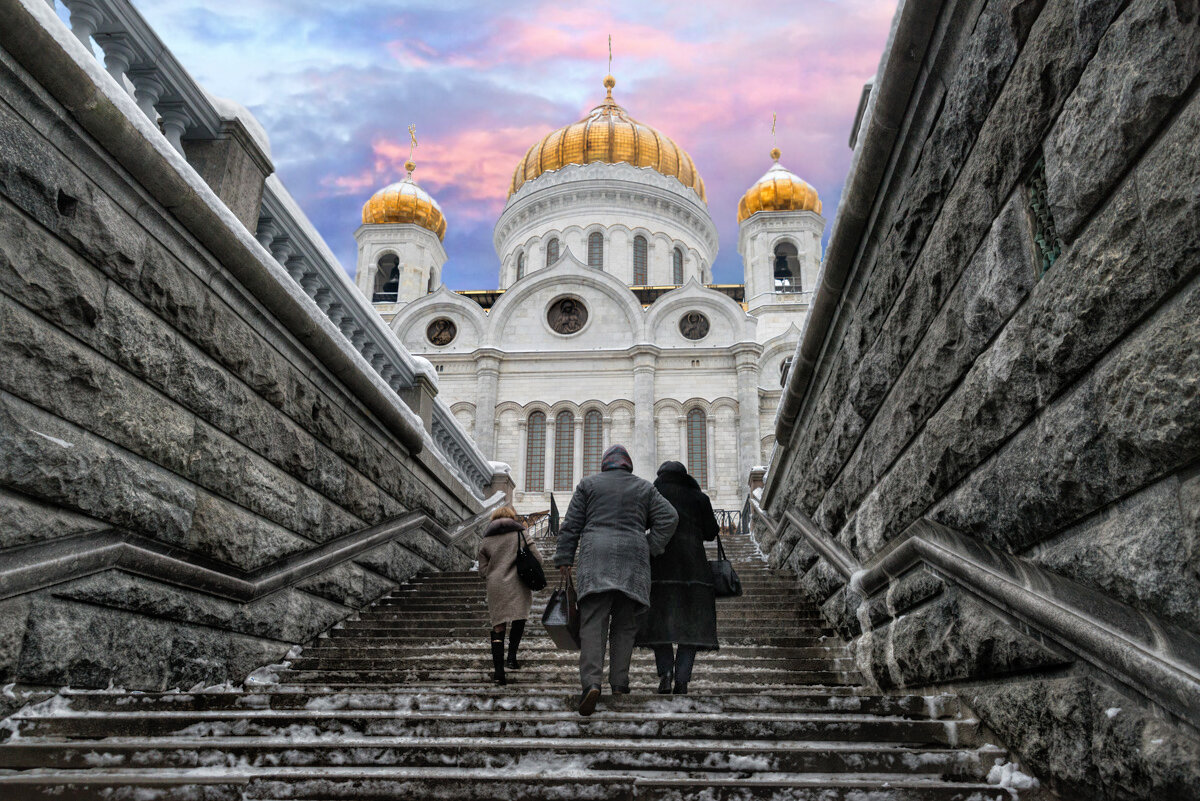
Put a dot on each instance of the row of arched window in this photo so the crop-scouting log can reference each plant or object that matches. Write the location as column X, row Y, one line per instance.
column 563, row 477
column 595, row 258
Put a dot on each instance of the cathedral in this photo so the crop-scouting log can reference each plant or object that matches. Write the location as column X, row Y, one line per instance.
column 606, row 326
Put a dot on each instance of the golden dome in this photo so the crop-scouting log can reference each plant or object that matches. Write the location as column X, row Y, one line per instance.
column 405, row 202
column 608, row 135
column 779, row 190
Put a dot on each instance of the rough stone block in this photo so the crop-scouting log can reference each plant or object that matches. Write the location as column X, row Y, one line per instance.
column 13, row 615
column 24, row 520
column 1143, row 66
column 1090, row 740
column 59, row 463
column 228, row 533
column 348, row 584
column 1140, row 551
column 953, row 638
column 393, row 561
column 820, row 582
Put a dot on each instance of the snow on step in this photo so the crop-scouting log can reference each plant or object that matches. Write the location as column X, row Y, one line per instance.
column 397, row 702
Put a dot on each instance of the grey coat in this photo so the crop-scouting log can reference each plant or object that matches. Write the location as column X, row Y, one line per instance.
column 607, row 521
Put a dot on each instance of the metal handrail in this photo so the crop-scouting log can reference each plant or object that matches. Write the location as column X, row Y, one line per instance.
column 1154, row 658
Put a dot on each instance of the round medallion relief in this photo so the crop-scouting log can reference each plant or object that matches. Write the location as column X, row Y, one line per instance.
column 567, row 315
column 694, row 325
column 441, row 331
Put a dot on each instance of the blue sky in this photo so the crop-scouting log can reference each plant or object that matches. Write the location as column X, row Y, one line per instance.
column 337, row 84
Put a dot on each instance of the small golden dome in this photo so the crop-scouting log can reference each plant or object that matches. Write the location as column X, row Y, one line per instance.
column 779, row 190
column 405, row 202
column 608, row 134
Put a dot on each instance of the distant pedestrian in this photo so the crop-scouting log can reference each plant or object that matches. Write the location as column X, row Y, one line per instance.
column 508, row 598
column 607, row 520
column 683, row 608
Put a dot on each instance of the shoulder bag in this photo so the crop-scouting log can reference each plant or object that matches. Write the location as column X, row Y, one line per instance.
column 529, row 569
column 726, row 583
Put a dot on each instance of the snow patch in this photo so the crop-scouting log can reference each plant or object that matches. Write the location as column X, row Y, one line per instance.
column 60, row 442
column 1112, row 712
column 1009, row 776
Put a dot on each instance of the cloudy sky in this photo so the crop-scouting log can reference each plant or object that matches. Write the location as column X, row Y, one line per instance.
column 336, row 85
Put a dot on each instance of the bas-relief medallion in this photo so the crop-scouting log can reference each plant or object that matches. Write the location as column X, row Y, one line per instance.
column 441, row 331
column 567, row 315
column 694, row 325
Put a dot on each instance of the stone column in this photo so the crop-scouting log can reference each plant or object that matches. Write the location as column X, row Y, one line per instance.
column 548, row 461
column 606, row 437
column 522, row 446
column 748, row 436
column 710, row 447
column 487, row 380
column 577, row 466
column 644, row 451
column 681, row 429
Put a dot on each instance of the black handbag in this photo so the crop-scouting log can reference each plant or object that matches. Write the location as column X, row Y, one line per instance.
column 561, row 617
column 726, row 583
column 529, row 569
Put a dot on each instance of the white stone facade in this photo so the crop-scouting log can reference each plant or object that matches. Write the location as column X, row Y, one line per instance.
column 627, row 374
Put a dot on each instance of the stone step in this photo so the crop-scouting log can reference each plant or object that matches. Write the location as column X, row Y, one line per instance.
column 482, row 660
column 709, row 678
column 327, row 783
column 525, row 698
column 509, row 753
column 403, row 637
column 832, row 727
column 451, row 628
column 538, row 651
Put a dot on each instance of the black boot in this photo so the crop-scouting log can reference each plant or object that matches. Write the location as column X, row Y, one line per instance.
column 498, row 662
column 514, row 640
column 664, row 684
column 681, row 688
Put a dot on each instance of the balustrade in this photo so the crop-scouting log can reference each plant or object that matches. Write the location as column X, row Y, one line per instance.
column 183, row 112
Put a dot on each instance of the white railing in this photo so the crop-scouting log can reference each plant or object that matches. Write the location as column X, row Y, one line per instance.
column 164, row 91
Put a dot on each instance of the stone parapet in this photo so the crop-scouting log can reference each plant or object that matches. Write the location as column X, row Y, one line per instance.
column 1004, row 343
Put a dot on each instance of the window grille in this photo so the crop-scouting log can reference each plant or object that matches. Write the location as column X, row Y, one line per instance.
column 639, row 261
column 593, row 442
column 1045, row 234
column 552, row 251
column 596, row 251
column 520, row 266
column 677, row 267
column 535, row 453
column 564, row 452
column 697, row 446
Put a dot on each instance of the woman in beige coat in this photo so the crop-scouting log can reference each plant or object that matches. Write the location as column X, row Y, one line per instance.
column 508, row 599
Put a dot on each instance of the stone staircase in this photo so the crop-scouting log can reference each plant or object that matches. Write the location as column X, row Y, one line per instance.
column 396, row 703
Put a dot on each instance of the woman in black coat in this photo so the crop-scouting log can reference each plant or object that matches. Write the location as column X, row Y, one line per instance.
column 683, row 608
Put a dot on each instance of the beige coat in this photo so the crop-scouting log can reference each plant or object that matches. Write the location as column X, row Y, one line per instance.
column 508, row 599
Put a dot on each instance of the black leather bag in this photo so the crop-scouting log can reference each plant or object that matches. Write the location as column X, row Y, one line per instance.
column 529, row 569
column 561, row 617
column 726, row 583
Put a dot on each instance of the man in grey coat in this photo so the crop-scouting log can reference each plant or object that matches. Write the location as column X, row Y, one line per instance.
column 607, row 521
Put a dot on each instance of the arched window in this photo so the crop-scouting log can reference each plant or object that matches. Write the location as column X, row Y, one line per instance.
column 552, row 251
column 677, row 267
column 786, row 268
column 387, row 278
column 564, row 452
column 596, row 250
column 520, row 265
column 697, row 446
column 593, row 442
column 639, row 261
column 535, row 453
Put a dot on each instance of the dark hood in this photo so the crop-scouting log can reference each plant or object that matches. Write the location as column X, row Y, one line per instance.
column 675, row 473
column 616, row 458
column 502, row 525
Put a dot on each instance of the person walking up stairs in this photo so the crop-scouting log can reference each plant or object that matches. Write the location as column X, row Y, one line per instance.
column 398, row 703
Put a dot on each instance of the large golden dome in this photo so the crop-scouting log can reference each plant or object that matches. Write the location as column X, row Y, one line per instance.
column 608, row 135
column 405, row 202
column 779, row 190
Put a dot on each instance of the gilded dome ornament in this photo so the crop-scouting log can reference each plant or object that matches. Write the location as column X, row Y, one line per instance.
column 779, row 190
column 404, row 202
column 608, row 135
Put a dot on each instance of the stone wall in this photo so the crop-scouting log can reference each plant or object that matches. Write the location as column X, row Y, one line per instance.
column 187, row 487
column 1053, row 414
